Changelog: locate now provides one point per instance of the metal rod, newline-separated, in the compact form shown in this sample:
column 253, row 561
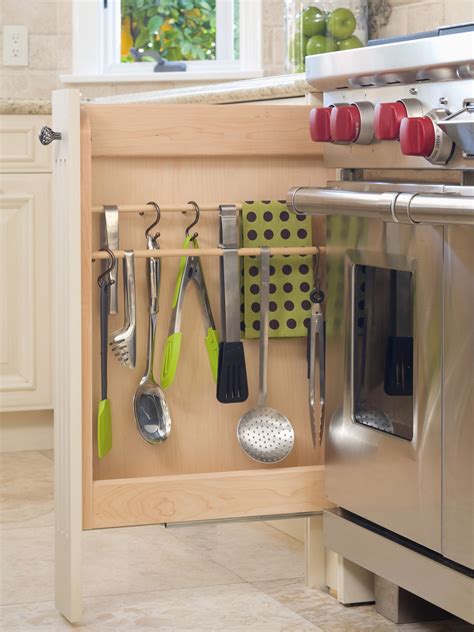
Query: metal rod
column 164, row 208
column 390, row 206
column 209, row 252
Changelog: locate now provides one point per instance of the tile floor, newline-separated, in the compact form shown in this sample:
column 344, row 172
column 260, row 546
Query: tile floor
column 223, row 577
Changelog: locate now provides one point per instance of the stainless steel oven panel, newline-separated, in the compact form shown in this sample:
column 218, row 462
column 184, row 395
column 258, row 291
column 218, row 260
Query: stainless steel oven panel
column 391, row 481
column 387, row 154
column 458, row 401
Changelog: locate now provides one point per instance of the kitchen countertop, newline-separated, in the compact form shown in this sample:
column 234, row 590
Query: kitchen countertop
column 25, row 106
column 279, row 87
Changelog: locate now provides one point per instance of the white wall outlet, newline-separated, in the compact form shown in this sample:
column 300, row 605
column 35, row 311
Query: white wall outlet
column 15, row 45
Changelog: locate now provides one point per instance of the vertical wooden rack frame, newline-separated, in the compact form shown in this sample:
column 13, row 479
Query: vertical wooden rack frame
column 129, row 154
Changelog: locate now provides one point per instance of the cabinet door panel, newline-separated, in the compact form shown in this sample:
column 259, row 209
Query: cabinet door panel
column 25, row 334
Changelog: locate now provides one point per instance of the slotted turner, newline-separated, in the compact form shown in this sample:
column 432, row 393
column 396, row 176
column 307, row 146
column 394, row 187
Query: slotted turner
column 231, row 371
column 265, row 434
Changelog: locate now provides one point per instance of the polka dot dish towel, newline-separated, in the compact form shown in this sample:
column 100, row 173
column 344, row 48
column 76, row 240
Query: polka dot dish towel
column 268, row 223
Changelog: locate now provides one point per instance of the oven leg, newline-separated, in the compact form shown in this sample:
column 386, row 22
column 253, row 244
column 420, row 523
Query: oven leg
column 315, row 553
column 354, row 583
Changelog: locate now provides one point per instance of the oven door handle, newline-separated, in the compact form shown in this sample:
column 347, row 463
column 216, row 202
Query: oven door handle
column 389, row 206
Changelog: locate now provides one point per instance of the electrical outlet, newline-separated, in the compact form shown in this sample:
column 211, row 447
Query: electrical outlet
column 15, row 45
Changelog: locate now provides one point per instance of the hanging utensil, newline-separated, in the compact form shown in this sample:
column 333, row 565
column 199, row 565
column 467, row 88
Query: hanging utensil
column 123, row 342
column 265, row 434
column 316, row 336
column 190, row 270
column 110, row 239
column 104, row 414
column 151, row 410
column 231, row 372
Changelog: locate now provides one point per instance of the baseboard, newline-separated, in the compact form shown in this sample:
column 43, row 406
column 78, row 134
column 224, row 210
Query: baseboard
column 27, row 430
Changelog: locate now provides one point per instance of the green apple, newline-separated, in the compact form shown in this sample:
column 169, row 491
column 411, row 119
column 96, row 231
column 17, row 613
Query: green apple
column 297, row 49
column 320, row 44
column 341, row 23
column 350, row 42
column 313, row 22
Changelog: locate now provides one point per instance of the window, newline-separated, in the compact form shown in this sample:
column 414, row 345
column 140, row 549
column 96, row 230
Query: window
column 216, row 39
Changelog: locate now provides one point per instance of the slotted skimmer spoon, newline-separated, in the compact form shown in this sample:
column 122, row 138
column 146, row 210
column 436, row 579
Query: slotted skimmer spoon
column 265, row 434
column 151, row 410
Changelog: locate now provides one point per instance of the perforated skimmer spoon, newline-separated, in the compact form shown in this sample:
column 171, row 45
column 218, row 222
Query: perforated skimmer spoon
column 265, row 434
column 151, row 410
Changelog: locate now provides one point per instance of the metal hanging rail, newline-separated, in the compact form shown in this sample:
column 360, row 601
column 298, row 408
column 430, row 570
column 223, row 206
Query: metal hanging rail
column 164, row 208
column 208, row 252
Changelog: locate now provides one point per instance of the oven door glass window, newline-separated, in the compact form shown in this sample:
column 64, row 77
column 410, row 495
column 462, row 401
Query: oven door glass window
column 383, row 350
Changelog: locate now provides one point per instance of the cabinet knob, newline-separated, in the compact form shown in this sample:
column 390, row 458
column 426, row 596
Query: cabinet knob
column 47, row 135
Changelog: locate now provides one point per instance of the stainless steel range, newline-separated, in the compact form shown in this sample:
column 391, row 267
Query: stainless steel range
column 398, row 122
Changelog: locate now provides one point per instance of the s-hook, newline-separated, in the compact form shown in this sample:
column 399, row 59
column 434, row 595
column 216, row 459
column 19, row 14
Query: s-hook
column 106, row 272
column 157, row 219
column 195, row 221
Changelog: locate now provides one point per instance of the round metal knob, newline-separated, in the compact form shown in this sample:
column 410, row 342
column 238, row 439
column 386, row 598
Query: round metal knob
column 319, row 125
column 417, row 136
column 345, row 123
column 387, row 119
column 47, row 135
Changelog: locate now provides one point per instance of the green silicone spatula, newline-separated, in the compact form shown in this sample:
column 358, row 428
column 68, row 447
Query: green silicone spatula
column 104, row 414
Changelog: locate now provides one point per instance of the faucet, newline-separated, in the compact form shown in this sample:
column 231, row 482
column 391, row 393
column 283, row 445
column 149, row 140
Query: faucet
column 162, row 65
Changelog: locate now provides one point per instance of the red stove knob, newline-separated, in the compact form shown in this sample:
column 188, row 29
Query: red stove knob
column 319, row 125
column 387, row 119
column 345, row 123
column 417, row 136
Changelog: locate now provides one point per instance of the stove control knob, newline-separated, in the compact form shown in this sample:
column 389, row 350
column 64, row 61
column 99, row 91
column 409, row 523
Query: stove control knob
column 345, row 123
column 319, row 128
column 417, row 136
column 387, row 119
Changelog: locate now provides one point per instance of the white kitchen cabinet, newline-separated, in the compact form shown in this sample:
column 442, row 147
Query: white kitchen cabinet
column 25, row 267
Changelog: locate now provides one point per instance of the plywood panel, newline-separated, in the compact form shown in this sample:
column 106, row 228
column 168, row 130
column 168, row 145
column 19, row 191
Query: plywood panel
column 201, row 130
column 209, row 496
column 203, row 434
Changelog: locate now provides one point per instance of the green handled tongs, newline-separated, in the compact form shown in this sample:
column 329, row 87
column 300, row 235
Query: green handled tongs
column 190, row 269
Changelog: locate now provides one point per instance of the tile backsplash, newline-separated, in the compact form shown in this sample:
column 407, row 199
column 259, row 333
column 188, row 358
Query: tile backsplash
column 50, row 32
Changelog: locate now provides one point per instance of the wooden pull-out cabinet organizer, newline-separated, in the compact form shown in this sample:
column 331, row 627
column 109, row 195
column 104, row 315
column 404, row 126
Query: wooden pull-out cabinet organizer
column 128, row 154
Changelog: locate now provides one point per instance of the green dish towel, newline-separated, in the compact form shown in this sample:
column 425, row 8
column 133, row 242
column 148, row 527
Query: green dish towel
column 269, row 223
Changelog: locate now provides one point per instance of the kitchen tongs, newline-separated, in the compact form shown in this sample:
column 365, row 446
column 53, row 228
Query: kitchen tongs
column 190, row 269
column 231, row 374
column 316, row 335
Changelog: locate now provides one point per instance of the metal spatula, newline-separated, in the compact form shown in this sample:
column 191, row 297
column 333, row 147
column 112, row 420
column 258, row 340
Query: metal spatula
column 265, row 434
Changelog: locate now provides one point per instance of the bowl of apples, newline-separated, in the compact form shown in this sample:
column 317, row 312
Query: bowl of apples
column 317, row 27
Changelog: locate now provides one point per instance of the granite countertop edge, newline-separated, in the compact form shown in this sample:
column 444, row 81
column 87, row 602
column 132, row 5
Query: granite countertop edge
column 278, row 87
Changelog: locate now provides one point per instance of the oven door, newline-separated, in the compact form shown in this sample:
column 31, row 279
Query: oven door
column 384, row 336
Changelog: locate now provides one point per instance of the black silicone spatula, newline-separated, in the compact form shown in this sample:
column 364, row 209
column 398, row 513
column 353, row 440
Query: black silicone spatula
column 232, row 384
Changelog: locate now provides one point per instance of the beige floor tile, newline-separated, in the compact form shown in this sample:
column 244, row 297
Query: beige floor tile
column 236, row 608
column 323, row 610
column 330, row 616
column 26, row 490
column 27, row 563
column 253, row 550
column 115, row 561
column 148, row 558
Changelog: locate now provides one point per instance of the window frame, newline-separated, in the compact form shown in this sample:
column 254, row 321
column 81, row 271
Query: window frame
column 96, row 38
